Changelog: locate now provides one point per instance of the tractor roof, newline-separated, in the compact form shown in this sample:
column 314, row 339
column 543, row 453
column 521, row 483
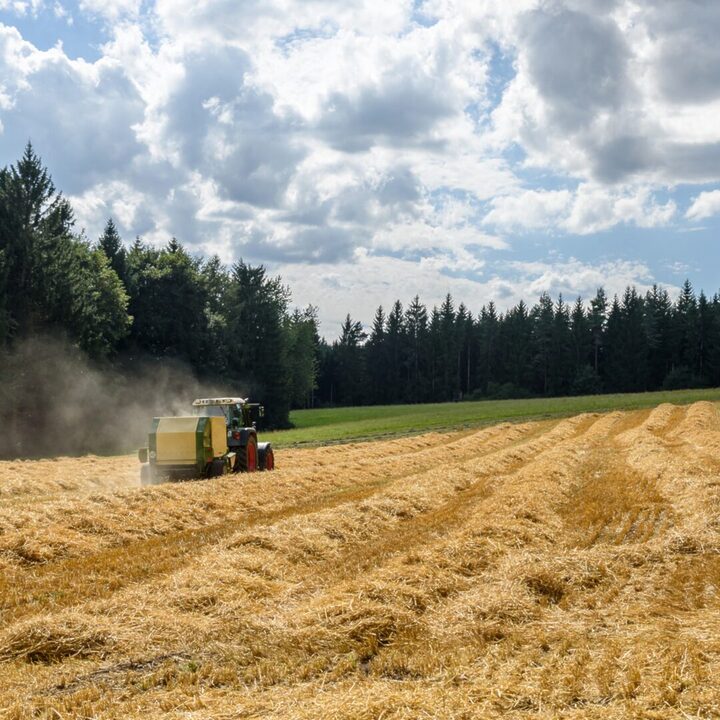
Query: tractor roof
column 219, row 401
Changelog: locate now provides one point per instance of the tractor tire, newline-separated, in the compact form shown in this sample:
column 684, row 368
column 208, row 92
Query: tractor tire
column 217, row 468
column 266, row 457
column 247, row 456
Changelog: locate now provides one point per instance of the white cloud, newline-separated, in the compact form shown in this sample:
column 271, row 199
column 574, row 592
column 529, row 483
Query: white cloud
column 589, row 209
column 531, row 209
column 372, row 280
column 617, row 93
column 573, row 278
column 596, row 208
column 705, row 205
column 112, row 10
column 22, row 7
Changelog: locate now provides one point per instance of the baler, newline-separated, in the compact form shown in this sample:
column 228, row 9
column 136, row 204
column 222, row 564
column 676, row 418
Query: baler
column 218, row 438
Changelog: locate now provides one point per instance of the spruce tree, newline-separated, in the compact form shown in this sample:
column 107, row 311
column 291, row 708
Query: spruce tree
column 543, row 338
column 417, row 351
column 376, row 354
column 395, row 343
column 111, row 244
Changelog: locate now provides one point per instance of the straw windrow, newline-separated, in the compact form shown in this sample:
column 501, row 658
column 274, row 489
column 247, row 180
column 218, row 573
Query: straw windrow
column 554, row 569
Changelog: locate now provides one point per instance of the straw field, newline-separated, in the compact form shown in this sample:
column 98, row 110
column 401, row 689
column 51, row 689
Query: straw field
column 554, row 569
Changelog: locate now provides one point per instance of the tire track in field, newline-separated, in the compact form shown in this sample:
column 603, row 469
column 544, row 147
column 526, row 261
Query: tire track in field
column 106, row 571
column 166, row 558
column 256, row 638
column 357, row 620
column 470, row 586
column 72, row 526
column 493, row 615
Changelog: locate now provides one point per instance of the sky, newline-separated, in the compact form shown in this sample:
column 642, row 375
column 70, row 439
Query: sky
column 372, row 150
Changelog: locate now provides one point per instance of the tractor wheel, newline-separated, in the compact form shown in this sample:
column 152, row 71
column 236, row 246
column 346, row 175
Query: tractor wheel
column 217, row 467
column 248, row 456
column 266, row 458
column 269, row 460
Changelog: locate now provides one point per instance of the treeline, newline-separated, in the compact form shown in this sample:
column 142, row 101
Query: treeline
column 632, row 343
column 120, row 305
column 235, row 329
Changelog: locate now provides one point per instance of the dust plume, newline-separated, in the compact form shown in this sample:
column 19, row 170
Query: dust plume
column 54, row 401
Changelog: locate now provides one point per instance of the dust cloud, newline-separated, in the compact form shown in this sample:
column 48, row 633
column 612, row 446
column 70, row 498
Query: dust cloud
column 54, row 401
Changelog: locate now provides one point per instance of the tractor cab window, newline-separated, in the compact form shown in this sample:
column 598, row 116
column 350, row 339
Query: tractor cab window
column 235, row 418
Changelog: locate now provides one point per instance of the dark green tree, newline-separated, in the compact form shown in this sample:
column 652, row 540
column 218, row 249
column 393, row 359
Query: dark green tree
column 417, row 351
column 111, row 244
column 303, row 340
column 395, row 344
column 597, row 321
column 351, row 377
column 376, row 356
column 258, row 348
column 543, row 316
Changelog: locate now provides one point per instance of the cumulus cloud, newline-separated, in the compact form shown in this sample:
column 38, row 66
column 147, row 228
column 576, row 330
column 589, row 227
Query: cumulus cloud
column 688, row 54
column 79, row 115
column 572, row 278
column 531, row 209
column 705, row 205
column 589, row 209
column 617, row 92
column 111, row 9
column 578, row 63
column 596, row 208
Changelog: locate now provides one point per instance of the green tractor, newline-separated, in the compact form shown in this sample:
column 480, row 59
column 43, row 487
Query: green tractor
column 219, row 437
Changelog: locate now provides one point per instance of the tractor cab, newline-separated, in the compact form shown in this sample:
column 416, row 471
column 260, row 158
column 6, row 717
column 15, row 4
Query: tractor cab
column 238, row 412
column 241, row 419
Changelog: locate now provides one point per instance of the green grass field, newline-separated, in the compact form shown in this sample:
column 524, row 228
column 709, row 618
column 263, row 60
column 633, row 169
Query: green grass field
column 362, row 423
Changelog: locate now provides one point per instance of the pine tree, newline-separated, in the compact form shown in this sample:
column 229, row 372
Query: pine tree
column 395, row 342
column 562, row 361
column 543, row 336
column 258, row 344
column 613, row 369
column 301, row 328
column 448, row 374
column 111, row 244
column 634, row 345
column 416, row 325
column 351, row 385
column 35, row 227
column 465, row 328
column 488, row 338
column 658, row 328
column 597, row 321
column 685, row 333
column 706, row 335
column 376, row 353
column 516, row 339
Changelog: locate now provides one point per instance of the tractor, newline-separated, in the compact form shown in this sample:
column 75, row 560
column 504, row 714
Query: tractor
column 219, row 437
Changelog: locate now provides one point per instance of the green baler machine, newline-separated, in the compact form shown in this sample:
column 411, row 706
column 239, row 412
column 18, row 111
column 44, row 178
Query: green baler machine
column 209, row 443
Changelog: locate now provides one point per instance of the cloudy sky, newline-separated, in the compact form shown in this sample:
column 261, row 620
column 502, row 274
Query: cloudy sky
column 373, row 149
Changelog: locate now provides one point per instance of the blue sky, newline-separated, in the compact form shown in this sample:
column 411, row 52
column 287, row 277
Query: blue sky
column 368, row 151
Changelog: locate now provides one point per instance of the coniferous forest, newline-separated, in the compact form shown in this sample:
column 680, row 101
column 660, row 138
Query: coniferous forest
column 117, row 304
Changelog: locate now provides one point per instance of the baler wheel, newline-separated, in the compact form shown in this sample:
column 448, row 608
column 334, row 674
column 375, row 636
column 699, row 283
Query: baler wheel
column 269, row 460
column 248, row 456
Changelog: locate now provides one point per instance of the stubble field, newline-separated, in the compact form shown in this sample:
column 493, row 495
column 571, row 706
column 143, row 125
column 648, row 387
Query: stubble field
column 562, row 568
